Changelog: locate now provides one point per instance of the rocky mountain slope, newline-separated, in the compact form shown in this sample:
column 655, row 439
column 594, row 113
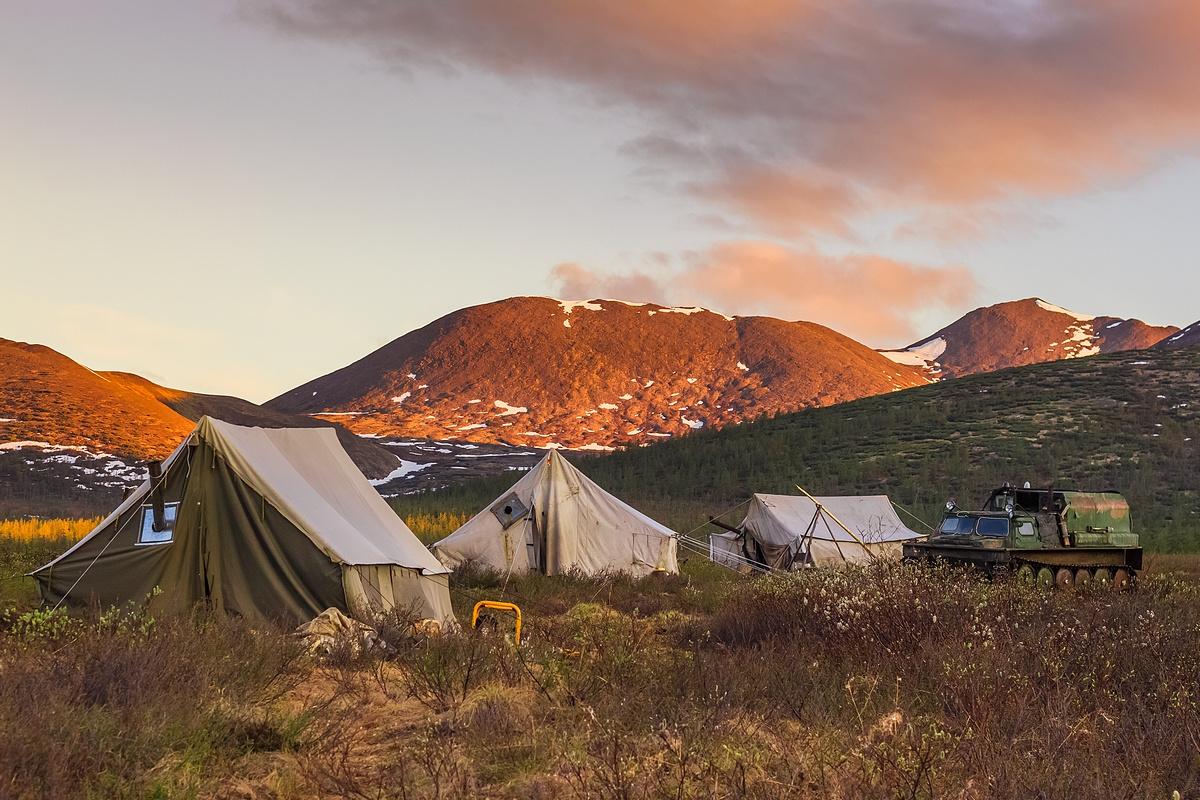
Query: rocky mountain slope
column 1023, row 332
column 47, row 397
column 1188, row 337
column 533, row 371
column 68, row 430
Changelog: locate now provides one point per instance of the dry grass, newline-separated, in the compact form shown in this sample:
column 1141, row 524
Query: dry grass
column 122, row 705
column 433, row 525
column 26, row 544
column 1179, row 563
column 870, row 683
column 882, row 682
column 26, row 530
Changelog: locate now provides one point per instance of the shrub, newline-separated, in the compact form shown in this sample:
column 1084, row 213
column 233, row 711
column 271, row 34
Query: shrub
column 87, row 707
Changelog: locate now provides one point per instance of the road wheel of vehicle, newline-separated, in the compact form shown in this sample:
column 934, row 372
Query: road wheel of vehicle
column 1064, row 578
column 1026, row 575
column 1121, row 580
column 1045, row 578
column 1082, row 577
column 1102, row 578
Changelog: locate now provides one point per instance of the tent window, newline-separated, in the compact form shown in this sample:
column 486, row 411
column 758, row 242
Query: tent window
column 147, row 534
column 509, row 510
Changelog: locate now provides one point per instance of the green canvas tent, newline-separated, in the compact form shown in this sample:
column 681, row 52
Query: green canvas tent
column 266, row 523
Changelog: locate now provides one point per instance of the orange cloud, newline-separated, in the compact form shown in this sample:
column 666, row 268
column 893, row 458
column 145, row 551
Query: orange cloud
column 865, row 296
column 806, row 115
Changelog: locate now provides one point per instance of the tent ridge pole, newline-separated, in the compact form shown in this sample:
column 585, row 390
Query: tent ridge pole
column 822, row 510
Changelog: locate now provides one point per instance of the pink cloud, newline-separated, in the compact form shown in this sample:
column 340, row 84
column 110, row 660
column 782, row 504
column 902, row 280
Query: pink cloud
column 574, row 281
column 807, row 115
column 865, row 296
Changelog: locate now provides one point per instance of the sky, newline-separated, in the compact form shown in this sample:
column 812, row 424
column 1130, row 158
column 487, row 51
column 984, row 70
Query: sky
column 237, row 196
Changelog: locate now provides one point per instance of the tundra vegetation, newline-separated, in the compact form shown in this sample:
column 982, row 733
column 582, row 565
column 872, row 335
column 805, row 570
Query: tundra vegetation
column 878, row 681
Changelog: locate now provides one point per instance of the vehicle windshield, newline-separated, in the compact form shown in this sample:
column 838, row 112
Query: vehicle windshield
column 984, row 526
column 993, row 526
column 958, row 525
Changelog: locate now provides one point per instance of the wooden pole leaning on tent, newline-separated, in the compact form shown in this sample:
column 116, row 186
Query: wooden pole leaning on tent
column 714, row 521
column 823, row 510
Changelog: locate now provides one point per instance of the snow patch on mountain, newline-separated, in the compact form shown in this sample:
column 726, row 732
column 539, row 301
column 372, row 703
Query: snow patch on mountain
column 1060, row 310
column 507, row 411
column 924, row 354
column 570, row 305
column 406, row 469
column 689, row 310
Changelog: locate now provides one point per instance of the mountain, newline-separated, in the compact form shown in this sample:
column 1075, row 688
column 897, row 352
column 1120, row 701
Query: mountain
column 72, row 438
column 1129, row 421
column 593, row 375
column 1188, row 337
column 47, row 397
column 1023, row 332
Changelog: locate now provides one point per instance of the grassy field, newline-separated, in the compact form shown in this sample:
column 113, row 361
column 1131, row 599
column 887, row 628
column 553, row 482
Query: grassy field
column 881, row 682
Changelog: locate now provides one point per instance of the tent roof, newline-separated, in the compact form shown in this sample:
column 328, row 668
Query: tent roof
column 782, row 518
column 584, row 526
column 307, row 475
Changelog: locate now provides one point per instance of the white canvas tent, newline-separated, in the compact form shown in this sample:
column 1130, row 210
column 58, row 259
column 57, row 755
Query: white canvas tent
column 555, row 520
column 786, row 531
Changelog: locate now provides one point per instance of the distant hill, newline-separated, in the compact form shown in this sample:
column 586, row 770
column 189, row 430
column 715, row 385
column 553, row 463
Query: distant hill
column 598, row 374
column 1023, row 332
column 1129, row 421
column 72, row 438
column 47, row 397
column 1188, row 337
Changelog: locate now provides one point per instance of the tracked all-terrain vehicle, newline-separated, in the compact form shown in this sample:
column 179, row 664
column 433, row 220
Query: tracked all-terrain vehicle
column 1054, row 537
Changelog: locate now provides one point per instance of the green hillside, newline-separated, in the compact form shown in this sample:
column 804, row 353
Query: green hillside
column 1129, row 421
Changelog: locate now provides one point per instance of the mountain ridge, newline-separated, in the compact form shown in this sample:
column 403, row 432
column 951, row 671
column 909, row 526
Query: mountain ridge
column 1188, row 337
column 591, row 374
column 1022, row 332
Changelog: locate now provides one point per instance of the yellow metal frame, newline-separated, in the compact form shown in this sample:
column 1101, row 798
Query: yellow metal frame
column 499, row 606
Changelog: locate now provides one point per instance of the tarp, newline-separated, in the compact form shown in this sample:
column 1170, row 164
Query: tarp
column 266, row 523
column 555, row 520
column 782, row 531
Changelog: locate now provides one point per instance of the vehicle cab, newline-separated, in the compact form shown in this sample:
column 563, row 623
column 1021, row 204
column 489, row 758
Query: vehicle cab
column 992, row 529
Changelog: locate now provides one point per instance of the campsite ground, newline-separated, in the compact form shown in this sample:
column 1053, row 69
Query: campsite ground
column 878, row 682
